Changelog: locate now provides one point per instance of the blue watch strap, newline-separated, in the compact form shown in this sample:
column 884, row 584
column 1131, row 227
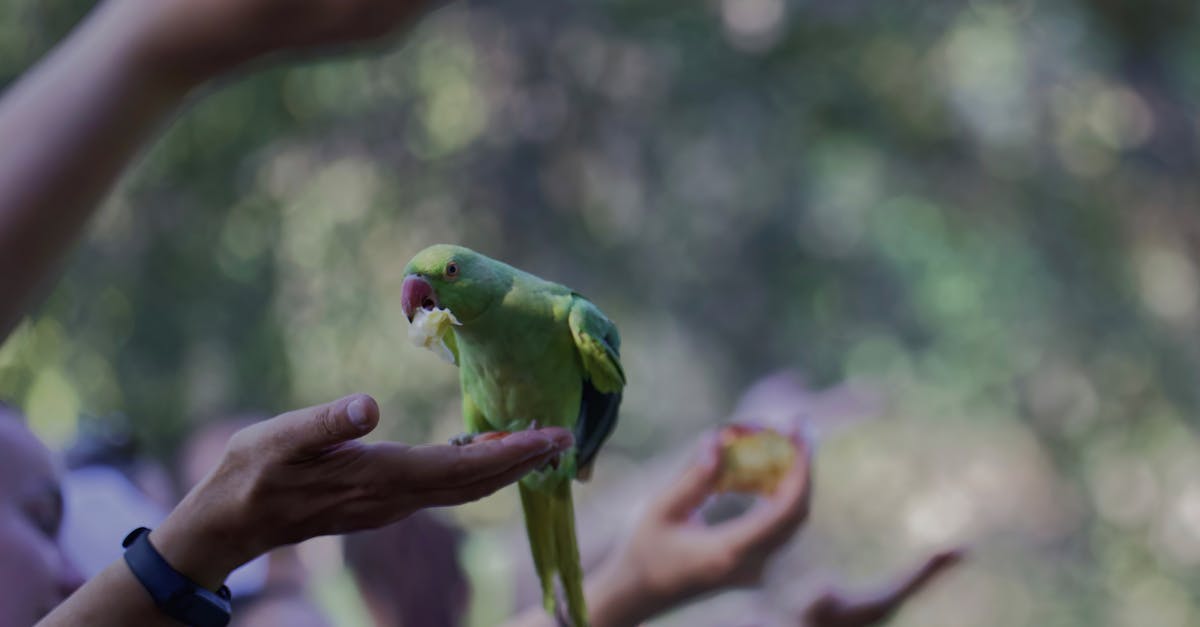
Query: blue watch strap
column 173, row 593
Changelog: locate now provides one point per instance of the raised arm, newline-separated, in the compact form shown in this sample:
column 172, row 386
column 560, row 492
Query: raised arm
column 70, row 126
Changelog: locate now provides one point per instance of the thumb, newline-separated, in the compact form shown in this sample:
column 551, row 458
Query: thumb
column 309, row 431
column 688, row 492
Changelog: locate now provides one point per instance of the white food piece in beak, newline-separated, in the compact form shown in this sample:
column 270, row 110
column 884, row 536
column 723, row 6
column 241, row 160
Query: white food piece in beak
column 429, row 328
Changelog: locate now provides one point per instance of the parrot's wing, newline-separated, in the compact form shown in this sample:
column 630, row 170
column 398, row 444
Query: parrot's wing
column 599, row 346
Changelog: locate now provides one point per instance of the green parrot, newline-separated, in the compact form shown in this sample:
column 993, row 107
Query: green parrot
column 529, row 352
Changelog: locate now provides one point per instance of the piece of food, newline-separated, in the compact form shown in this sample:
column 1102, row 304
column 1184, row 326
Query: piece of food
column 753, row 459
column 429, row 328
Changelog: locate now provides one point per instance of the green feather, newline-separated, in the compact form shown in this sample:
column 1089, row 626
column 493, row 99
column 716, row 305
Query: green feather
column 531, row 350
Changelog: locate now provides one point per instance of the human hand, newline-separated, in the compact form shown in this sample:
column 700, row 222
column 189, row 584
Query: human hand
column 198, row 39
column 837, row 609
column 671, row 557
column 305, row 474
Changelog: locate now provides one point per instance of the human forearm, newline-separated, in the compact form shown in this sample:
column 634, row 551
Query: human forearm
column 617, row 598
column 67, row 129
column 190, row 540
column 112, row 598
column 115, row 598
column 70, row 126
column 300, row 475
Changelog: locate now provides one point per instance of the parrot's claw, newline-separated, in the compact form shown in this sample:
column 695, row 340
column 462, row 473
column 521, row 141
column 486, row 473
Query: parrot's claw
column 462, row 439
column 552, row 463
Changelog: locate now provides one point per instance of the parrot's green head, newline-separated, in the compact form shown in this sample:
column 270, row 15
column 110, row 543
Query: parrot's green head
column 453, row 277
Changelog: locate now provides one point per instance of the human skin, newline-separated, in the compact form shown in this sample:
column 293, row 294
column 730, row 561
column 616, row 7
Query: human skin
column 35, row 574
column 672, row 558
column 70, row 127
column 834, row 608
column 300, row 475
column 73, row 123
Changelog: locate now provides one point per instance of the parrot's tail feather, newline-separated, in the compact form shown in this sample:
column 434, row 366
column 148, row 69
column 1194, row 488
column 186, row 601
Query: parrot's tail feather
column 541, row 541
column 567, row 552
column 550, row 523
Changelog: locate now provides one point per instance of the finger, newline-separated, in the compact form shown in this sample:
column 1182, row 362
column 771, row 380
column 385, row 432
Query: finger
column 312, row 430
column 440, row 466
column 926, row 572
column 775, row 521
column 945, row 559
column 696, row 483
column 485, row 486
column 834, row 609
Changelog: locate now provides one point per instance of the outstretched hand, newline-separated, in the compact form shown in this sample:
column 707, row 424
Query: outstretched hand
column 305, row 474
column 672, row 557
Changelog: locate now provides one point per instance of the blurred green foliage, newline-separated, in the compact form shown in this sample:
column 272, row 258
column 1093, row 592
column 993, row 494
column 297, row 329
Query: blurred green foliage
column 986, row 209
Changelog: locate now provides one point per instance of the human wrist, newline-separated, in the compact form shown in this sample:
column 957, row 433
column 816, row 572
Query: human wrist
column 621, row 596
column 199, row 545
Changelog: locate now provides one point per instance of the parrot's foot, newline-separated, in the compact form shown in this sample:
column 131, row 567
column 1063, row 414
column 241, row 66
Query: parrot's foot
column 464, row 439
column 552, row 463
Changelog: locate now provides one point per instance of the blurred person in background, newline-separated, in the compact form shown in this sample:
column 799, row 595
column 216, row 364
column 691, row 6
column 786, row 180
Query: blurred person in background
column 35, row 574
column 408, row 573
column 108, row 489
column 111, row 442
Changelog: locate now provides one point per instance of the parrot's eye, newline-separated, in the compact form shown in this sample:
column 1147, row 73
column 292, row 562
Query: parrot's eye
column 451, row 270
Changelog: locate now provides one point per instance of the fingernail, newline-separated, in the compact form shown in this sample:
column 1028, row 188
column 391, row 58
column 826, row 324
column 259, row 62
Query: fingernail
column 520, row 437
column 562, row 438
column 357, row 411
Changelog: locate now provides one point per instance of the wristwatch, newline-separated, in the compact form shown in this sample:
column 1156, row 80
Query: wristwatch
column 173, row 593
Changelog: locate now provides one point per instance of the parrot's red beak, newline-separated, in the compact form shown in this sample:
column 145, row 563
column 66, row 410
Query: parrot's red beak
column 415, row 293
